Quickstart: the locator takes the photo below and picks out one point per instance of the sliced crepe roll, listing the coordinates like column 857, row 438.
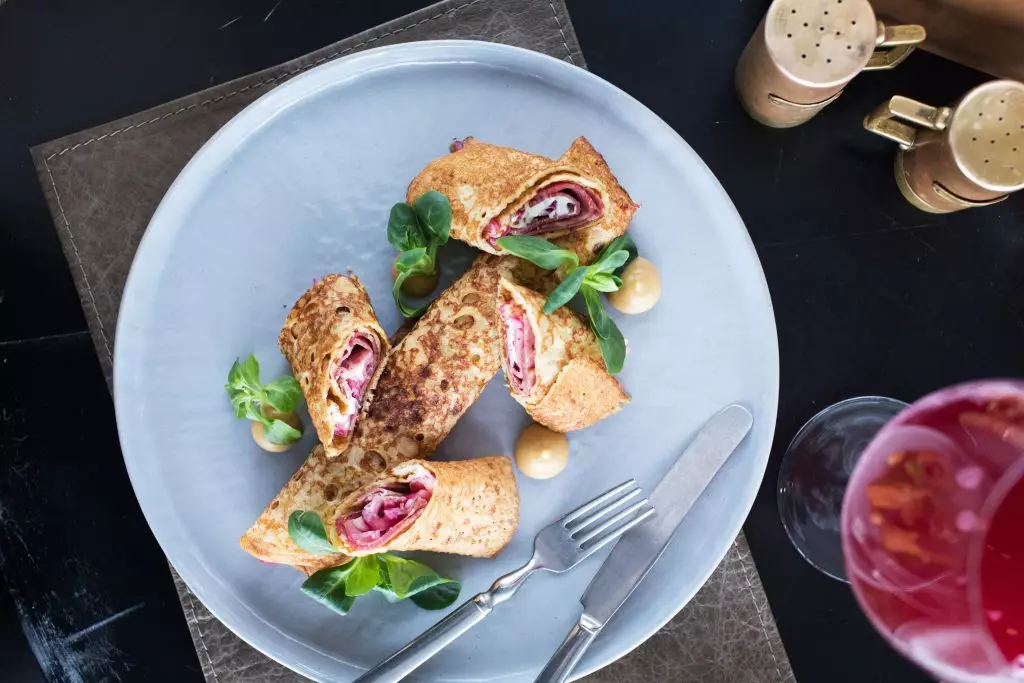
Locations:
column 336, row 349
column 553, row 363
column 469, row 507
column 499, row 191
column 430, row 379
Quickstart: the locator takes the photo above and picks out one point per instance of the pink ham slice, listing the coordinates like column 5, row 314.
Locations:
column 352, row 373
column 519, row 348
column 560, row 206
column 385, row 512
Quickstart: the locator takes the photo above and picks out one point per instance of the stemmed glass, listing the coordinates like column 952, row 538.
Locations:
column 932, row 529
column 816, row 469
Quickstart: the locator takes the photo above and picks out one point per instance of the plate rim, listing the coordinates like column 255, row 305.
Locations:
column 277, row 99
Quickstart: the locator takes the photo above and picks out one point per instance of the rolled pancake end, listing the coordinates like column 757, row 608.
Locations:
column 562, row 382
column 496, row 191
column 336, row 349
column 467, row 507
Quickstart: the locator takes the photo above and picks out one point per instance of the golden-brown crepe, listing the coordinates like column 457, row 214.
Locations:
column 470, row 507
column 497, row 191
column 553, row 362
column 430, row 379
column 336, row 348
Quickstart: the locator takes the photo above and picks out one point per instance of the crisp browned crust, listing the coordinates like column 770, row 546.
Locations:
column 483, row 181
column 438, row 369
column 313, row 487
column 473, row 510
column 431, row 377
column 317, row 329
column 572, row 389
column 582, row 394
column 479, row 181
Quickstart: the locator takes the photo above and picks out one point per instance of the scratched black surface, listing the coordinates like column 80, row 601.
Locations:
column 93, row 590
column 870, row 295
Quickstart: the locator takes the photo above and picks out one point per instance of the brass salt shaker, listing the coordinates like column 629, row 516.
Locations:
column 804, row 52
column 958, row 157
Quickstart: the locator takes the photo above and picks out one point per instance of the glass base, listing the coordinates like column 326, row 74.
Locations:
column 815, row 470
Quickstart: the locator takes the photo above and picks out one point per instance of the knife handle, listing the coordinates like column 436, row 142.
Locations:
column 568, row 654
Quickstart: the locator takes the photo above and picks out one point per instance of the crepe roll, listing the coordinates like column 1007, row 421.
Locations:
column 336, row 349
column 430, row 379
column 469, row 507
column 553, row 362
column 437, row 371
column 499, row 191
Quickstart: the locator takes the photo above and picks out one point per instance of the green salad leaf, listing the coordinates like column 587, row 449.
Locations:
column 250, row 399
column 396, row 578
column 307, row 531
column 417, row 232
column 565, row 290
column 610, row 255
column 610, row 339
column 418, row 261
column 327, row 587
column 415, row 580
column 364, row 577
column 400, row 574
column 283, row 394
column 436, row 596
column 281, row 432
column 434, row 212
column 539, row 251
column 603, row 275
column 604, row 282
column 403, row 228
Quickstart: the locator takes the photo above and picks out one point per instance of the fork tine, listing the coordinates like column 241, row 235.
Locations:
column 597, row 502
column 588, row 534
column 599, row 543
column 577, row 524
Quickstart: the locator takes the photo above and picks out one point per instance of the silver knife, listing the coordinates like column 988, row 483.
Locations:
column 638, row 550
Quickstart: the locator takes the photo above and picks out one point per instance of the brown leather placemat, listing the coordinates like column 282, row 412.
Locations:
column 103, row 185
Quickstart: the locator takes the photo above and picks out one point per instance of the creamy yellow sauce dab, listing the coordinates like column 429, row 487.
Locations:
column 640, row 290
column 541, row 453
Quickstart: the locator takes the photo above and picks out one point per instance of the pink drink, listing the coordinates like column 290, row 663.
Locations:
column 933, row 532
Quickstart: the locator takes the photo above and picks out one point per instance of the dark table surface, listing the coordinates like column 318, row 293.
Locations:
column 871, row 295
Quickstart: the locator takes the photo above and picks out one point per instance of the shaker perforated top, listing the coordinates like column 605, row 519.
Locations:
column 821, row 42
column 987, row 135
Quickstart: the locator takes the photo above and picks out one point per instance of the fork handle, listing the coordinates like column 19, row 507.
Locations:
column 568, row 654
column 436, row 638
column 443, row 633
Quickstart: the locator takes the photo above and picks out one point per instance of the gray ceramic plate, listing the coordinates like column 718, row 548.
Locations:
column 300, row 184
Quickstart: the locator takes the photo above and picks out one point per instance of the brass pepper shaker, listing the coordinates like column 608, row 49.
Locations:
column 966, row 155
column 804, row 52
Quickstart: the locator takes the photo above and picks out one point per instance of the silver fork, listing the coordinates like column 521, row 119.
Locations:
column 558, row 547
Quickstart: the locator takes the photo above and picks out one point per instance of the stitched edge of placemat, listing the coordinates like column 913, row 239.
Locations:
column 764, row 612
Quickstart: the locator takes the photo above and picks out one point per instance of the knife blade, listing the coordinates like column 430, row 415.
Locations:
column 638, row 550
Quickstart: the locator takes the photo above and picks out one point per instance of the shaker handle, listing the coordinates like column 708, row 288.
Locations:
column 900, row 41
column 892, row 119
